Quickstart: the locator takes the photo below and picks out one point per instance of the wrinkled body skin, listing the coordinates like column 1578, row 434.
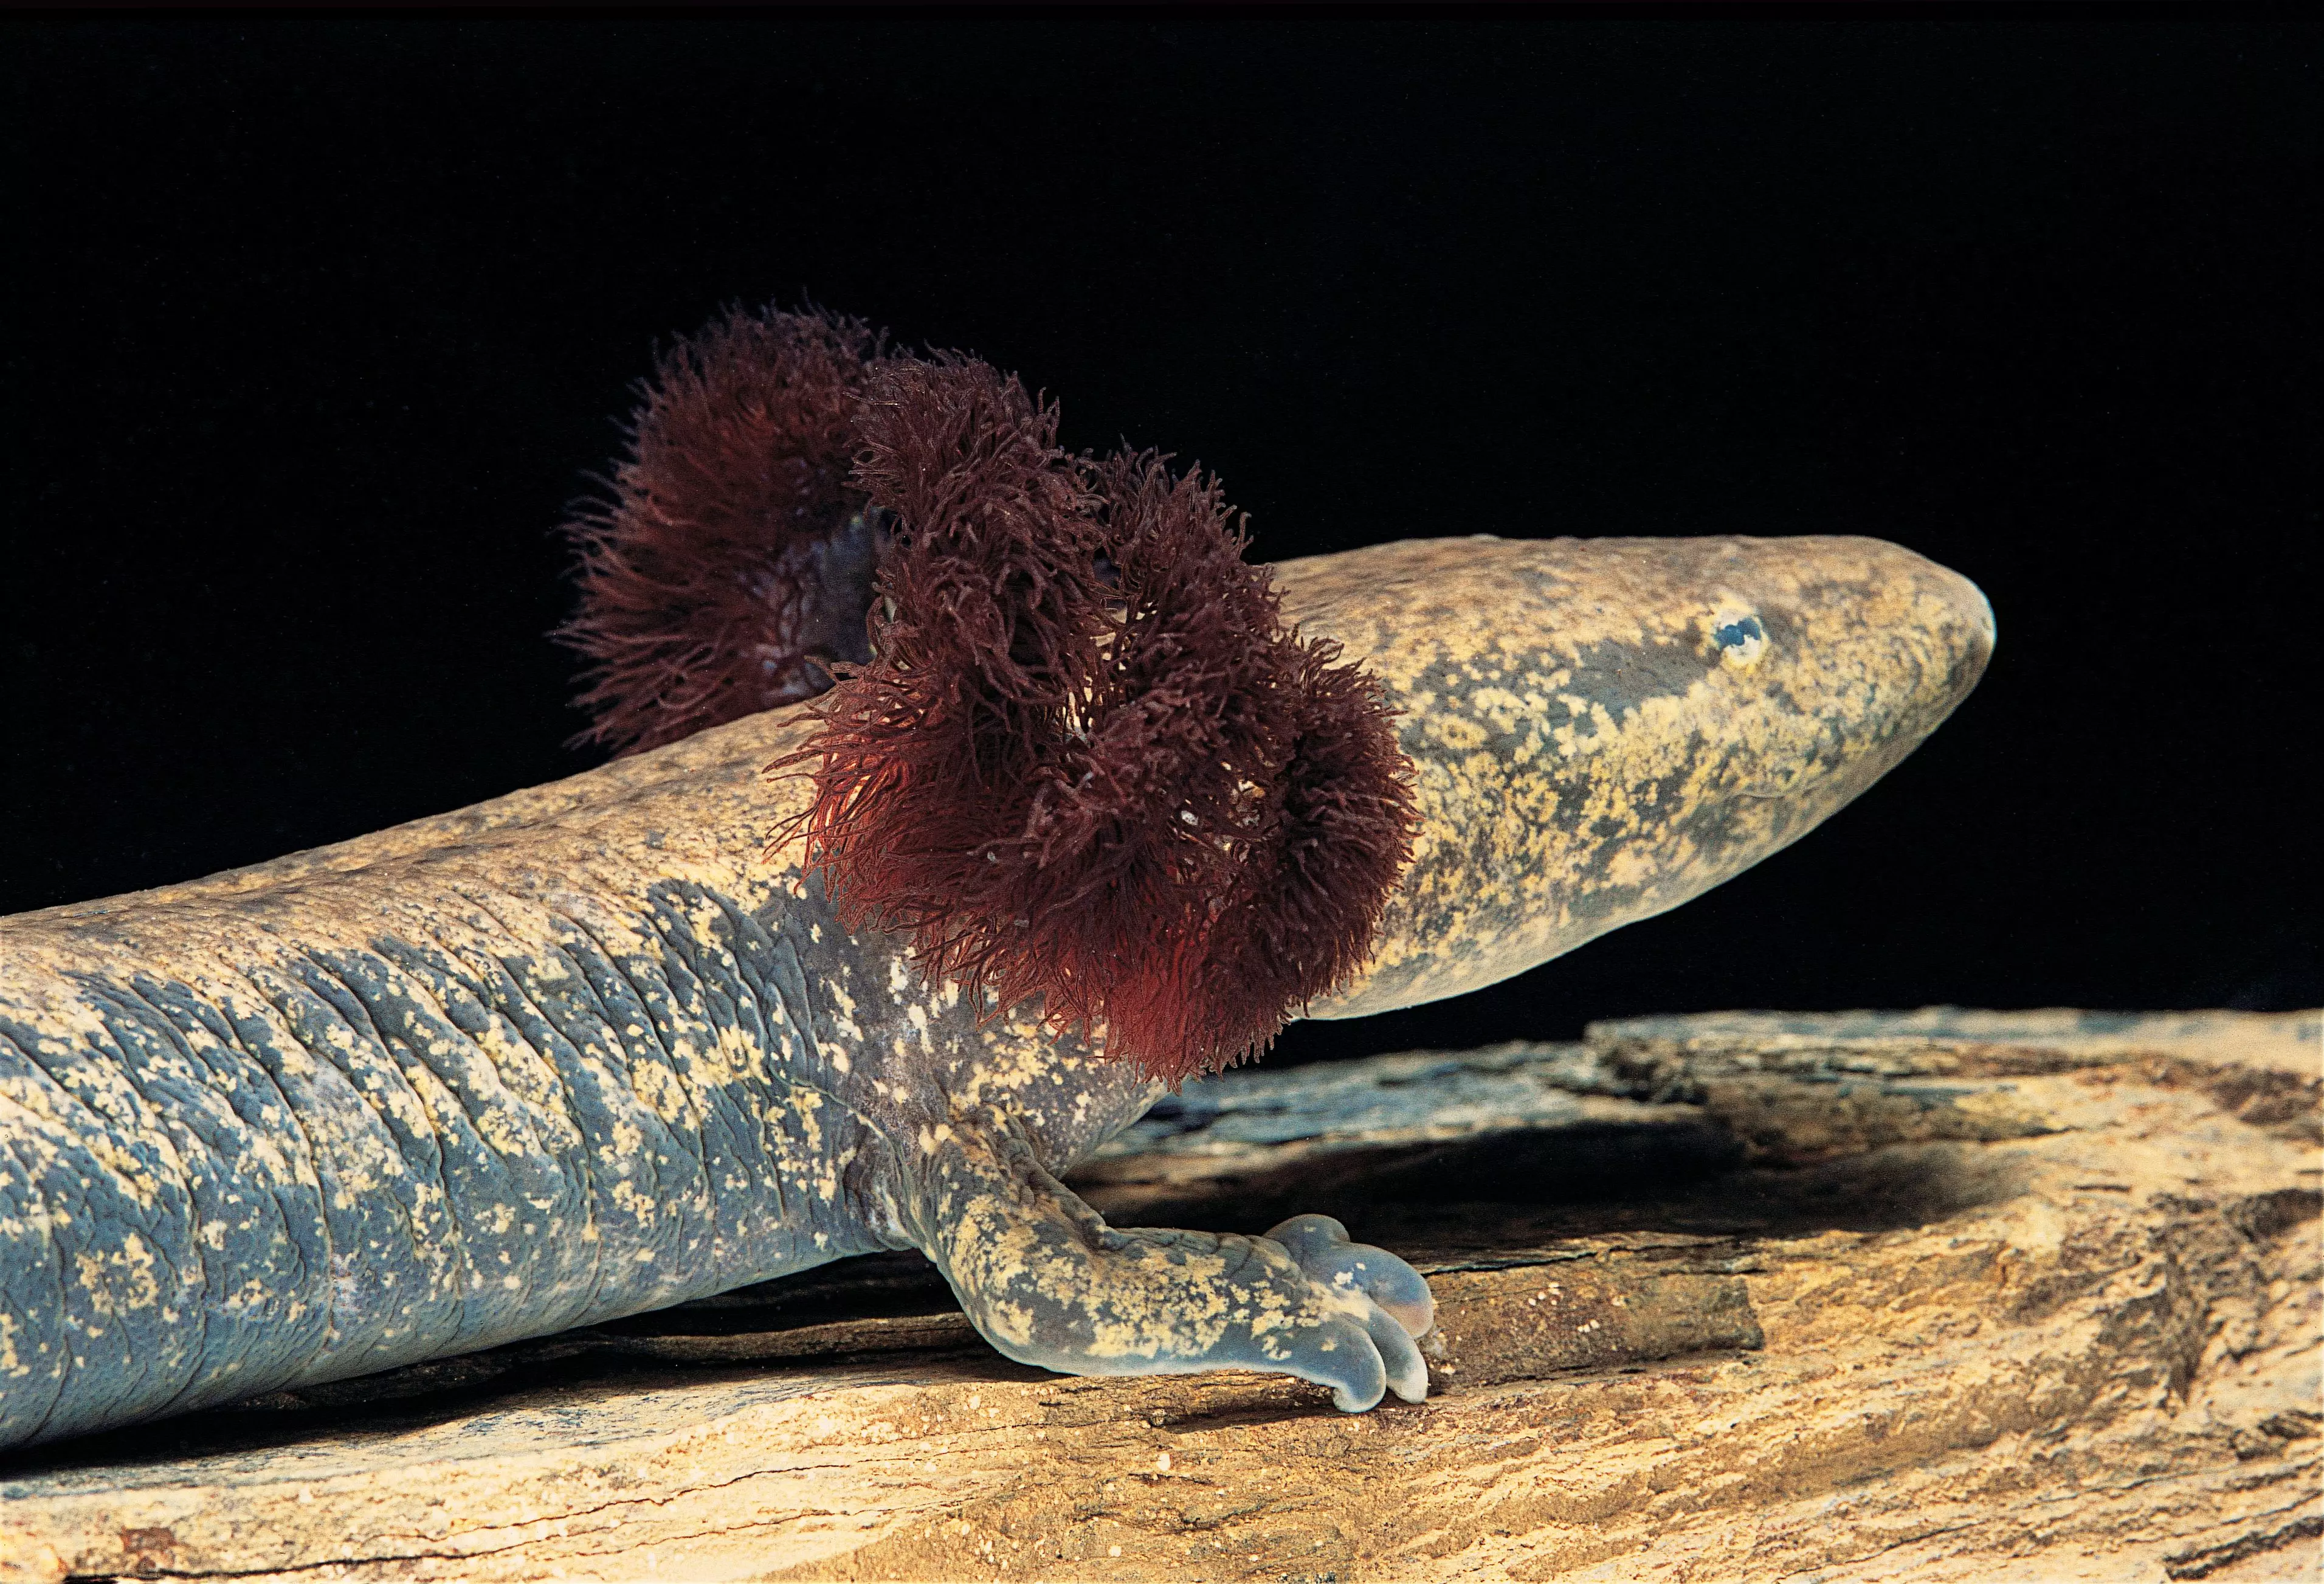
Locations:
column 581, row 1051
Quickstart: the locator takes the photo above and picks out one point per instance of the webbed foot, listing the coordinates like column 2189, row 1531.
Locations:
column 1049, row 1284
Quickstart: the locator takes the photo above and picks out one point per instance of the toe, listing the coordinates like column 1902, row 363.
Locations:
column 1346, row 1357
column 1407, row 1374
column 1309, row 1236
column 1400, row 1290
column 1321, row 1246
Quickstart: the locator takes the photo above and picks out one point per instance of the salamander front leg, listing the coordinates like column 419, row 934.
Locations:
column 1049, row 1284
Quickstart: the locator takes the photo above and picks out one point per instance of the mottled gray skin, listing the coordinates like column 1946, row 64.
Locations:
column 582, row 1051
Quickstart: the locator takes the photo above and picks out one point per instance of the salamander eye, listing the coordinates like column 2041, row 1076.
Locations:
column 1739, row 640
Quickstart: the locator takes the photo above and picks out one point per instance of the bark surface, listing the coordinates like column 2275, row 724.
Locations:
column 1942, row 1295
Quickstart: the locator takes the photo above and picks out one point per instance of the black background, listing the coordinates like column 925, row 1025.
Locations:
column 314, row 328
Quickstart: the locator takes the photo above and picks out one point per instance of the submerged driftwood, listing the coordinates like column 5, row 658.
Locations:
column 1944, row 1295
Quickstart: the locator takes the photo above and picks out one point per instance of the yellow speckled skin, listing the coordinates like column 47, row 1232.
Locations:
column 1589, row 754
column 582, row 1051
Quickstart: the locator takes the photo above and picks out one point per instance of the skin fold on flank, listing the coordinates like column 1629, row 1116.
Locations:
column 682, row 1023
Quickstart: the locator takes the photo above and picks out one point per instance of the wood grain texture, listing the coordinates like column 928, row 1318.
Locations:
column 1931, row 1296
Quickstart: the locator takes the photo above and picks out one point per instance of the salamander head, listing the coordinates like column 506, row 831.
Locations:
column 1603, row 728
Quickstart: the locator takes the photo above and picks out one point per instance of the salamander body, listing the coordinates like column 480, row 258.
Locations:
column 584, row 1051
